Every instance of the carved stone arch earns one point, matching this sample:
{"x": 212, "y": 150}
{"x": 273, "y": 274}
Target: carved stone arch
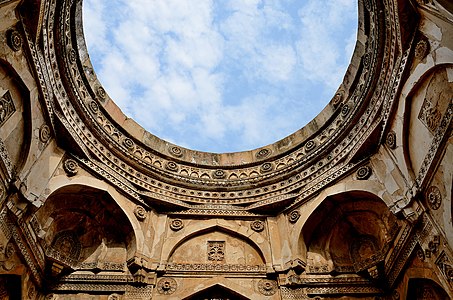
{"x": 60, "y": 182}
{"x": 193, "y": 231}
{"x": 371, "y": 188}
{"x": 348, "y": 233}
{"x": 82, "y": 228}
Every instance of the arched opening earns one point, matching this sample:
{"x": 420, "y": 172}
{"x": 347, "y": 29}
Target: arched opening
{"x": 349, "y": 233}
{"x": 84, "y": 229}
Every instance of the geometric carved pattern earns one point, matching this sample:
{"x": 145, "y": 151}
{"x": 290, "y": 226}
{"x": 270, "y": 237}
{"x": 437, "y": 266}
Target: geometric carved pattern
{"x": 44, "y": 133}
{"x": 219, "y": 174}
{"x": 216, "y": 268}
{"x": 216, "y": 250}
{"x": 445, "y": 266}
{"x": 100, "y": 92}
{"x": 176, "y": 151}
{"x": 429, "y": 115}
{"x": 263, "y": 153}
{"x": 391, "y": 140}
{"x": 422, "y": 48}
{"x": 293, "y": 294}
{"x": 6, "y": 107}
{"x": 70, "y": 166}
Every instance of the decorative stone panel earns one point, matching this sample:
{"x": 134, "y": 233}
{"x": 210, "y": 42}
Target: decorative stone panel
{"x": 216, "y": 251}
{"x": 7, "y": 107}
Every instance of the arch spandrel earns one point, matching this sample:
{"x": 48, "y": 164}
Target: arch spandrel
{"x": 234, "y": 231}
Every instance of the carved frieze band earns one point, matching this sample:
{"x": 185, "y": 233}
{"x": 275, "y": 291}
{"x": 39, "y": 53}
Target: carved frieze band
{"x": 215, "y": 267}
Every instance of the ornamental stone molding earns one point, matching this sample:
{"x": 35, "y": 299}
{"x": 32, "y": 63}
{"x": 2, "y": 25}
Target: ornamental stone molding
{"x": 391, "y": 140}
{"x": 250, "y": 178}
{"x": 257, "y": 225}
{"x": 44, "y": 133}
{"x": 176, "y": 224}
{"x": 14, "y": 39}
{"x": 267, "y": 287}
{"x": 166, "y": 286}
{"x": 294, "y": 216}
{"x": 140, "y": 212}
{"x": 364, "y": 173}
{"x": 93, "y": 205}
{"x": 70, "y": 166}
{"x": 433, "y": 197}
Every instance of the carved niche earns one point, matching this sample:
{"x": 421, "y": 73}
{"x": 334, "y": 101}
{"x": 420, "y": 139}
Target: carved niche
{"x": 436, "y": 100}
{"x": 349, "y": 233}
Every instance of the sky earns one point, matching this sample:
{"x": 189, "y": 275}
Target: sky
{"x": 220, "y": 75}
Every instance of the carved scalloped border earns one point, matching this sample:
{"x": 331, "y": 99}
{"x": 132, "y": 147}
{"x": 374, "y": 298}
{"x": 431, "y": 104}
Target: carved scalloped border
{"x": 188, "y": 185}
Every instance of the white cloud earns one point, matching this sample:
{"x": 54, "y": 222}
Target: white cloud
{"x": 213, "y": 75}
{"x": 320, "y": 47}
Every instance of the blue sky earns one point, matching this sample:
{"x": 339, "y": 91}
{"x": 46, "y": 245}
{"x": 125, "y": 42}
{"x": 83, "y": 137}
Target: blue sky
{"x": 221, "y": 75}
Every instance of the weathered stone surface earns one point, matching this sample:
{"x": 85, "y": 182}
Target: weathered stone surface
{"x": 358, "y": 203}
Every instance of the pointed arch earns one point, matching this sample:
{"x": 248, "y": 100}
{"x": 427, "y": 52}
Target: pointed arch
{"x": 192, "y": 230}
